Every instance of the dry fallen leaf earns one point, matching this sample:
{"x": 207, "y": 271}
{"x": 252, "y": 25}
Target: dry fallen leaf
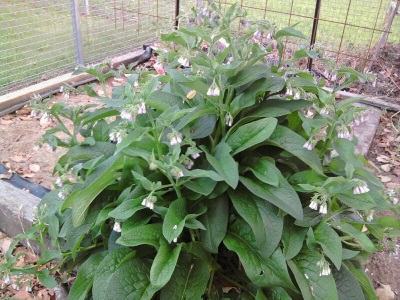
{"x": 8, "y": 175}
{"x": 34, "y": 167}
{"x": 383, "y": 158}
{"x": 22, "y": 295}
{"x": 6, "y": 122}
{"x": 28, "y": 175}
{"x": 385, "y": 292}
{"x": 5, "y": 244}
{"x": 385, "y": 178}
{"x": 386, "y": 167}
{"x": 19, "y": 158}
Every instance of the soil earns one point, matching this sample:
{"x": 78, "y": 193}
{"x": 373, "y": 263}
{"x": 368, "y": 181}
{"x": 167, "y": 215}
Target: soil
{"x": 19, "y": 132}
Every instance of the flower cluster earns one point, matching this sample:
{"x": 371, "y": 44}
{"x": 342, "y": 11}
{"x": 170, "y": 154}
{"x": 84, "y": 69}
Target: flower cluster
{"x": 213, "y": 90}
{"x": 343, "y": 132}
{"x": 320, "y": 201}
{"x": 324, "y": 267}
{"x": 310, "y": 144}
{"x": 149, "y": 201}
{"x": 361, "y": 187}
{"x": 175, "y": 138}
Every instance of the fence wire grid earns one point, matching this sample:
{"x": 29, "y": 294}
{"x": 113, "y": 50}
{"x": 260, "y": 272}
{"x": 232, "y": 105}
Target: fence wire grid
{"x": 347, "y": 30}
{"x": 40, "y": 39}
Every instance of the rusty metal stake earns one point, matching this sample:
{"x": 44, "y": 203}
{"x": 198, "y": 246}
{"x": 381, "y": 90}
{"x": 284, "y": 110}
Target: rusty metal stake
{"x": 314, "y": 30}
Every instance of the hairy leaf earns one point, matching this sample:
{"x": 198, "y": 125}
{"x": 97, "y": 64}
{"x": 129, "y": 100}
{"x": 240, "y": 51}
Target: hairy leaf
{"x": 251, "y": 134}
{"x": 188, "y": 281}
{"x": 262, "y": 217}
{"x": 164, "y": 264}
{"x": 215, "y": 220}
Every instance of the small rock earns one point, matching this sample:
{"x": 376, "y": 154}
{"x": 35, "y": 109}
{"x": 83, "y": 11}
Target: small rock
{"x": 384, "y": 292}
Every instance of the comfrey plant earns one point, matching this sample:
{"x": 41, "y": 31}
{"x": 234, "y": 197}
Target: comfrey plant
{"x": 221, "y": 175}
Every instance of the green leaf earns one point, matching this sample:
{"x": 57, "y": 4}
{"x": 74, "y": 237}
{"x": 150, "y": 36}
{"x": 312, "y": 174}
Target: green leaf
{"x": 148, "y": 234}
{"x": 347, "y": 285}
{"x": 248, "y": 74}
{"x": 215, "y": 220}
{"x": 203, "y": 186}
{"x": 359, "y": 236}
{"x": 224, "y": 164}
{"x": 194, "y": 115}
{"x": 127, "y": 209}
{"x": 161, "y": 100}
{"x": 357, "y": 201}
{"x": 188, "y": 281}
{"x": 48, "y": 255}
{"x": 284, "y": 196}
{"x": 290, "y": 31}
{"x": 262, "y": 271}
{"x": 312, "y": 285}
{"x": 164, "y": 264}
{"x": 46, "y": 279}
{"x": 105, "y": 270}
{"x": 330, "y": 243}
{"x": 78, "y": 154}
{"x": 85, "y": 276}
{"x": 292, "y": 142}
{"x": 131, "y": 281}
{"x": 364, "y": 281}
{"x": 276, "y": 108}
{"x": 251, "y": 134}
{"x": 174, "y": 219}
{"x": 264, "y": 169}
{"x": 262, "y": 217}
{"x": 292, "y": 238}
{"x": 81, "y": 199}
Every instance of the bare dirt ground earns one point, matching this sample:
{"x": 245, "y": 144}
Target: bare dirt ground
{"x": 19, "y": 132}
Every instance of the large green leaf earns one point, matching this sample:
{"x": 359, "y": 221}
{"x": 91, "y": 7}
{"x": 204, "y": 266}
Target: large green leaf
{"x": 79, "y": 153}
{"x": 131, "y": 281}
{"x": 164, "y": 264}
{"x": 85, "y": 276}
{"x": 248, "y": 74}
{"x": 264, "y": 169}
{"x": 188, "y": 281}
{"x": 290, "y": 31}
{"x": 292, "y": 142}
{"x": 127, "y": 209}
{"x": 364, "y": 281}
{"x": 276, "y": 108}
{"x": 261, "y": 270}
{"x": 283, "y": 196}
{"x": 359, "y": 236}
{"x": 357, "y": 201}
{"x": 148, "y": 234}
{"x": 347, "y": 285}
{"x": 262, "y": 217}
{"x": 174, "y": 219}
{"x": 307, "y": 274}
{"x": 105, "y": 270}
{"x": 292, "y": 238}
{"x": 251, "y": 134}
{"x": 224, "y": 163}
{"x": 330, "y": 243}
{"x": 215, "y": 220}
{"x": 81, "y": 199}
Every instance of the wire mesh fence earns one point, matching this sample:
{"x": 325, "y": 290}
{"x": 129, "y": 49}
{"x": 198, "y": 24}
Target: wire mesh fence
{"x": 348, "y": 30}
{"x": 40, "y": 39}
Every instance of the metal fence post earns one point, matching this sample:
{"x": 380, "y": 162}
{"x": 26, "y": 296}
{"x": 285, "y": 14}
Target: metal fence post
{"x": 314, "y": 30}
{"x": 76, "y": 25}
